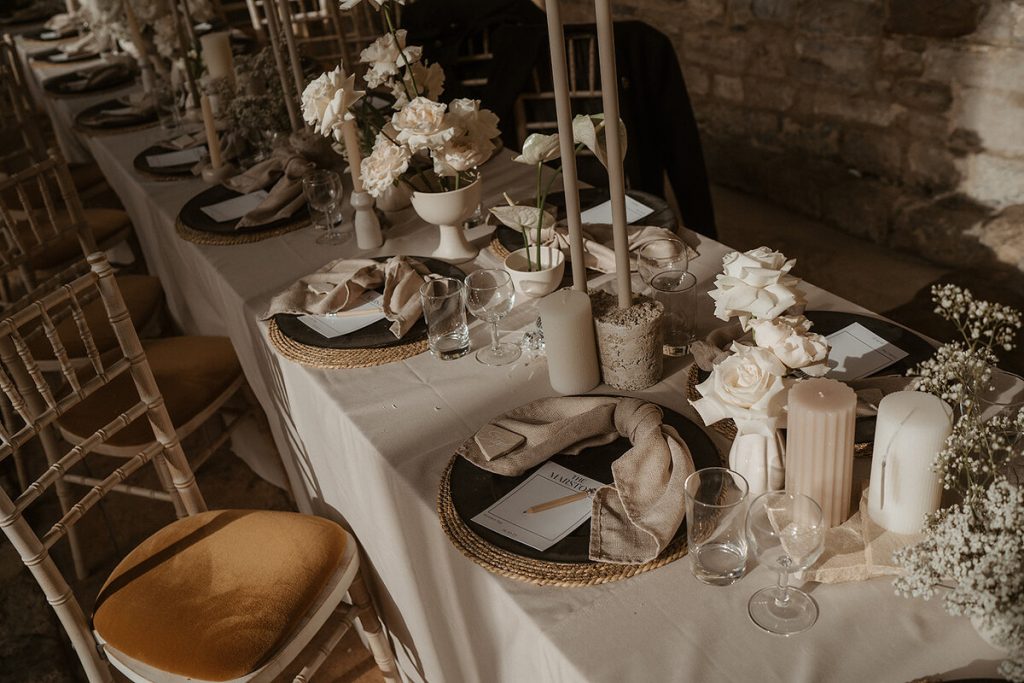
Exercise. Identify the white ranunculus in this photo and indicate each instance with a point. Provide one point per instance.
(326, 101)
(539, 148)
(385, 57)
(422, 124)
(460, 155)
(755, 285)
(589, 130)
(807, 352)
(519, 217)
(383, 167)
(746, 386)
(768, 333)
(429, 80)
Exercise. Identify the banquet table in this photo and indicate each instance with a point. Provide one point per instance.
(367, 447)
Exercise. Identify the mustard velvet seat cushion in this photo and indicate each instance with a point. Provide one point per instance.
(142, 297)
(214, 595)
(191, 373)
(103, 223)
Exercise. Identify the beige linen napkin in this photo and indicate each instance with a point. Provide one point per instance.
(88, 43)
(635, 517)
(340, 285)
(99, 77)
(598, 243)
(287, 165)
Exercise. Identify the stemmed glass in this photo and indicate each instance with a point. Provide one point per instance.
(489, 296)
(662, 255)
(324, 191)
(786, 531)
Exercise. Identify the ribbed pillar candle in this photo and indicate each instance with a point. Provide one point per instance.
(819, 445)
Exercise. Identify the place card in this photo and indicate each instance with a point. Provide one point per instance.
(345, 322)
(602, 213)
(49, 35)
(858, 352)
(541, 530)
(120, 111)
(185, 156)
(186, 140)
(60, 57)
(236, 207)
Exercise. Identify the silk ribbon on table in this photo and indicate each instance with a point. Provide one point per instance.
(634, 518)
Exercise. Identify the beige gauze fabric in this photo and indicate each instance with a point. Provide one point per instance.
(636, 516)
(340, 285)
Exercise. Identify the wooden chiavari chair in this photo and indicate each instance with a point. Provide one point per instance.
(216, 595)
(317, 25)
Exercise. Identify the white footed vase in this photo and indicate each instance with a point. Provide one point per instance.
(448, 211)
(758, 454)
(534, 283)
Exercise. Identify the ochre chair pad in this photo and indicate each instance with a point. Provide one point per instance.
(142, 297)
(191, 373)
(103, 223)
(213, 596)
(86, 176)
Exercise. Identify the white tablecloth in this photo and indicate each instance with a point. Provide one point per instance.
(367, 447)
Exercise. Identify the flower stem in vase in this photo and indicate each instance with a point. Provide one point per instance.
(386, 10)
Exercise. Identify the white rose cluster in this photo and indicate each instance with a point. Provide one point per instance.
(327, 100)
(755, 285)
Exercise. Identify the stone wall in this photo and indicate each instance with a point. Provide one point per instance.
(901, 121)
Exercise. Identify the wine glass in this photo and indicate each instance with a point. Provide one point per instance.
(786, 531)
(324, 192)
(489, 296)
(661, 255)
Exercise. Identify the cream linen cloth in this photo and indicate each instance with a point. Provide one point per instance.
(858, 550)
(636, 516)
(598, 243)
(286, 165)
(340, 285)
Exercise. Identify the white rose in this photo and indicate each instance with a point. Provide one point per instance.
(746, 386)
(758, 267)
(806, 352)
(387, 57)
(421, 124)
(768, 333)
(589, 130)
(326, 102)
(467, 116)
(539, 148)
(755, 284)
(383, 167)
(429, 80)
(462, 154)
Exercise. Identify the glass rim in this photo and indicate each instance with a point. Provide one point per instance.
(791, 494)
(1015, 400)
(686, 274)
(506, 282)
(735, 475)
(459, 288)
(671, 240)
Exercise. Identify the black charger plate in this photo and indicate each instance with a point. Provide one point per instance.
(192, 215)
(473, 490)
(58, 85)
(375, 336)
(141, 163)
(83, 119)
(589, 198)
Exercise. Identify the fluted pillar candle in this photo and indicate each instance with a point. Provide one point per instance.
(819, 445)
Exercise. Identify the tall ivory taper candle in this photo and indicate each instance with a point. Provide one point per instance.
(217, 55)
(212, 140)
(910, 430)
(569, 340)
(819, 445)
(616, 181)
(563, 110)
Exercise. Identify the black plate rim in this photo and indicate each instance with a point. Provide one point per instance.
(122, 123)
(52, 84)
(219, 193)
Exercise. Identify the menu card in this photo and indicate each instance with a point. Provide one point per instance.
(185, 156)
(349, 320)
(541, 530)
(858, 352)
(602, 213)
(236, 207)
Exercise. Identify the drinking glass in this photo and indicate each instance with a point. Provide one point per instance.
(444, 309)
(489, 296)
(323, 190)
(661, 255)
(786, 532)
(167, 110)
(677, 292)
(716, 500)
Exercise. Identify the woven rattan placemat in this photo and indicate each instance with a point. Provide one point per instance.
(341, 359)
(224, 238)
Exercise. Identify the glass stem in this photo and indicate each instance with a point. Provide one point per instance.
(782, 594)
(494, 336)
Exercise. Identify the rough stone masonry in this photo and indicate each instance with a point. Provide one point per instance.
(901, 121)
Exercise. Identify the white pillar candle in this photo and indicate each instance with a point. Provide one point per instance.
(569, 341)
(563, 111)
(911, 429)
(212, 140)
(819, 445)
(616, 179)
(217, 55)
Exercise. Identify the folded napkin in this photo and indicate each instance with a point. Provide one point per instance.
(99, 77)
(86, 44)
(63, 23)
(286, 166)
(340, 285)
(598, 243)
(635, 517)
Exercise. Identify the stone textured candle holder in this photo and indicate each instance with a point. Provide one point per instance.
(629, 341)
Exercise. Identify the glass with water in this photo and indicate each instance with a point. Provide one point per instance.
(444, 309)
(716, 509)
(677, 292)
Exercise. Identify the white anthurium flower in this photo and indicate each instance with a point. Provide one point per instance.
(383, 166)
(747, 386)
(519, 217)
(755, 285)
(589, 130)
(539, 148)
(327, 100)
(387, 57)
(422, 124)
